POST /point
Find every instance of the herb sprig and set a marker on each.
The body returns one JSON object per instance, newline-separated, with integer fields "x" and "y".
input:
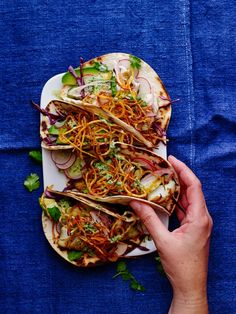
{"x": 159, "y": 266}
{"x": 127, "y": 276}
{"x": 36, "y": 155}
{"x": 135, "y": 62}
{"x": 32, "y": 182}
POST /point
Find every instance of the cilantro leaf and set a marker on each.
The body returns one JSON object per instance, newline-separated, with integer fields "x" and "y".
{"x": 32, "y": 182}
{"x": 127, "y": 276}
{"x": 113, "y": 86}
{"x": 74, "y": 255}
{"x": 36, "y": 155}
{"x": 136, "y": 286}
{"x": 121, "y": 266}
{"x": 90, "y": 227}
{"x": 135, "y": 62}
{"x": 159, "y": 266}
{"x": 115, "y": 238}
{"x": 54, "y": 213}
{"x": 100, "y": 67}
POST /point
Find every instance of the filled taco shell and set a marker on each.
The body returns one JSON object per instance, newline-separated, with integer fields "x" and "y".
{"x": 127, "y": 173}
{"x": 86, "y": 233}
{"x": 140, "y": 102}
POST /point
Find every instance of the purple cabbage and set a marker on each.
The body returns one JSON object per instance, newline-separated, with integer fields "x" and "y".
{"x": 53, "y": 118}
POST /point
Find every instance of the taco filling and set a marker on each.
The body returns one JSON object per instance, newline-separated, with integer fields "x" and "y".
{"x": 125, "y": 171}
{"x": 127, "y": 89}
{"x": 65, "y": 126}
{"x": 88, "y": 233}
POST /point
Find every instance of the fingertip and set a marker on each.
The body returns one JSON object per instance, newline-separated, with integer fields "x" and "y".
{"x": 172, "y": 159}
{"x": 150, "y": 219}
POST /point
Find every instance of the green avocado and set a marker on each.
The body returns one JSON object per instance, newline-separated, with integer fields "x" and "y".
{"x": 68, "y": 78}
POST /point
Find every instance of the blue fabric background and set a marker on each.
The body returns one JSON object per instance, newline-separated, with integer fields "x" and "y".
{"x": 191, "y": 44}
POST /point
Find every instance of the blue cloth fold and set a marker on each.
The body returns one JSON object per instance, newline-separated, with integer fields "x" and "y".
{"x": 191, "y": 45}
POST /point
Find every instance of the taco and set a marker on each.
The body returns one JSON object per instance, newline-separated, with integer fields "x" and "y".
{"x": 125, "y": 173}
{"x": 127, "y": 90}
{"x": 86, "y": 233}
{"x": 66, "y": 126}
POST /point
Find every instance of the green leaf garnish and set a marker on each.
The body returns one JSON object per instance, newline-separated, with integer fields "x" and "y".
{"x": 53, "y": 130}
{"x": 36, "y": 155}
{"x": 136, "y": 286}
{"x": 100, "y": 67}
{"x": 74, "y": 255}
{"x": 121, "y": 266}
{"x": 54, "y": 213}
{"x": 32, "y": 182}
{"x": 135, "y": 62}
{"x": 159, "y": 266}
{"x": 101, "y": 166}
{"x": 113, "y": 86}
{"x": 116, "y": 238}
{"x": 90, "y": 227}
{"x": 126, "y": 275}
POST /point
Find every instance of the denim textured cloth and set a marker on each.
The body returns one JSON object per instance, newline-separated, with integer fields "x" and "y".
{"x": 191, "y": 44}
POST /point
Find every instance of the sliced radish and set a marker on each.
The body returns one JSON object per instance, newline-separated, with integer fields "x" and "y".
{"x": 61, "y": 157}
{"x": 124, "y": 64}
{"x": 144, "y": 87}
{"x": 75, "y": 171}
{"x": 121, "y": 249}
{"x": 67, "y": 164}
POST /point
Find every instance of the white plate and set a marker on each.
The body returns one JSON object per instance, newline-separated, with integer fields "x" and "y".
{"x": 51, "y": 175}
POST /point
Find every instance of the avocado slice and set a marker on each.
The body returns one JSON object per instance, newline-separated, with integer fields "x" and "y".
{"x": 68, "y": 78}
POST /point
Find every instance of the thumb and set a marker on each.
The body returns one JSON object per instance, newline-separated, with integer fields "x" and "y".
{"x": 150, "y": 219}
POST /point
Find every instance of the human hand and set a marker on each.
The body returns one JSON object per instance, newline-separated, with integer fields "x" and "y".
{"x": 184, "y": 251}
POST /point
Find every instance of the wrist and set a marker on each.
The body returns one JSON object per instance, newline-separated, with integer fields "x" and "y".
{"x": 194, "y": 295}
{"x": 193, "y": 302}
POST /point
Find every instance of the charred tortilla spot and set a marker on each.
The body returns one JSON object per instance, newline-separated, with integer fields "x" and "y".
{"x": 44, "y": 126}
{"x": 162, "y": 164}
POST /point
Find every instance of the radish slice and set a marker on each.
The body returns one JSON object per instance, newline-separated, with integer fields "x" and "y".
{"x": 67, "y": 164}
{"x": 61, "y": 157}
{"x": 121, "y": 249}
{"x": 144, "y": 87}
{"x": 124, "y": 63}
{"x": 74, "y": 171}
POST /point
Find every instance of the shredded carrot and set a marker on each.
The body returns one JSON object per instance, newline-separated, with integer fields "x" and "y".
{"x": 91, "y": 136}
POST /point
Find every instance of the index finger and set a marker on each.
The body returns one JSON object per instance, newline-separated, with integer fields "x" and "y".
{"x": 185, "y": 174}
{"x": 194, "y": 194}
